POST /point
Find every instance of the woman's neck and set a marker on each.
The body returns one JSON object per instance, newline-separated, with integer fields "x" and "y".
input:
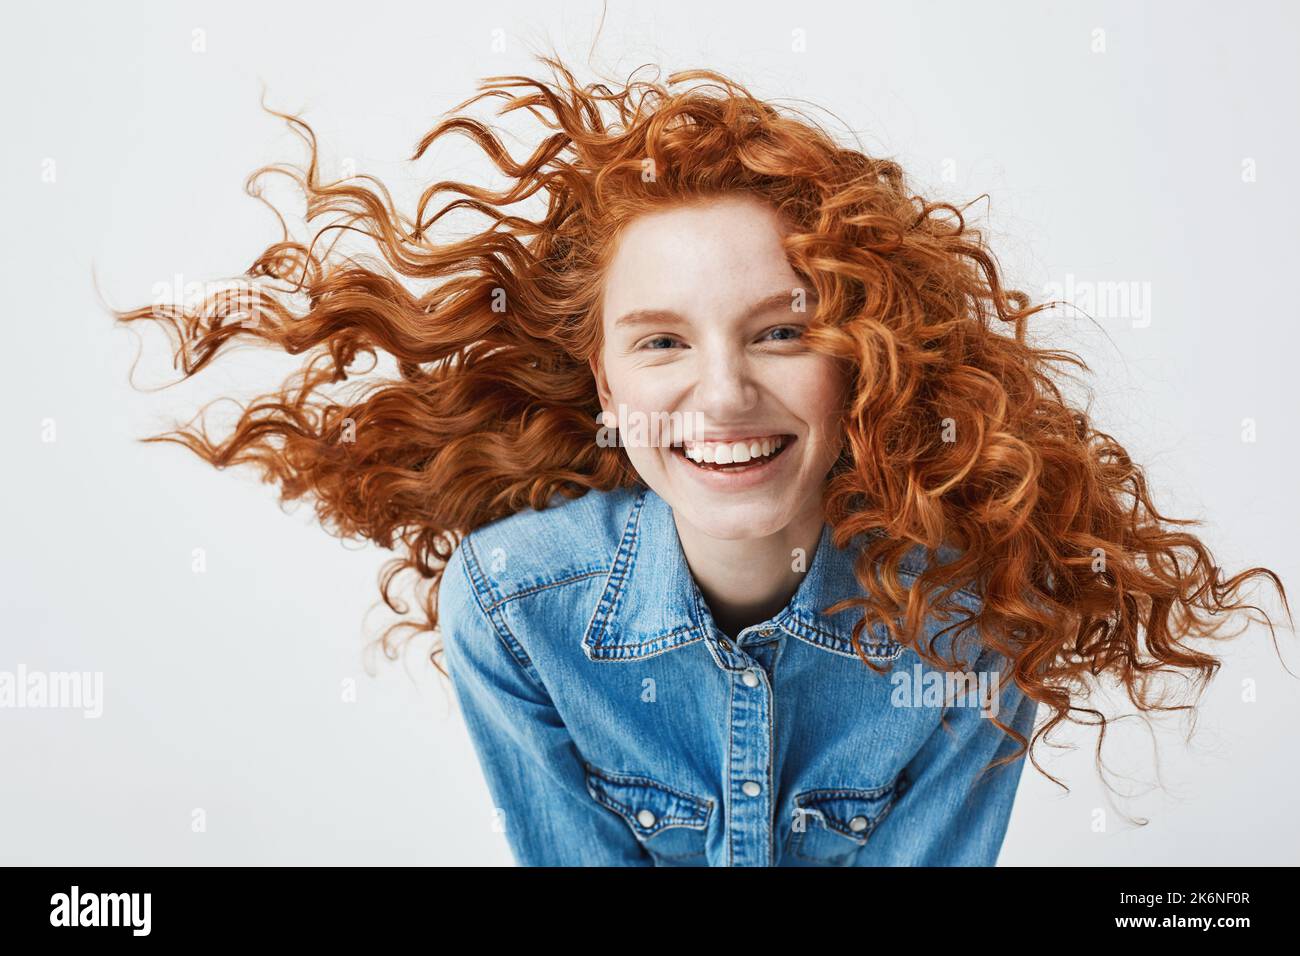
{"x": 748, "y": 580}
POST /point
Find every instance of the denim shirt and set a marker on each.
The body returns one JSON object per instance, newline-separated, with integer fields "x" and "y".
{"x": 617, "y": 725}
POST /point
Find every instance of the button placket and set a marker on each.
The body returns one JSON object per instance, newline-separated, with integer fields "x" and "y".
{"x": 751, "y": 750}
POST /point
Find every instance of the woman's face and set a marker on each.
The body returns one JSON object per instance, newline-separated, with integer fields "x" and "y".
{"x": 702, "y": 319}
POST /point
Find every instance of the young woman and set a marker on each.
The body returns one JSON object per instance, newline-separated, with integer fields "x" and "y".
{"x": 754, "y": 529}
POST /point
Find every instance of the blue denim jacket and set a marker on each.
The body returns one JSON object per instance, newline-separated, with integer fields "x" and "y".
{"x": 617, "y": 725}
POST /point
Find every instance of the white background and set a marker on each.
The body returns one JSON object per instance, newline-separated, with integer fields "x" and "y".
{"x": 223, "y": 689}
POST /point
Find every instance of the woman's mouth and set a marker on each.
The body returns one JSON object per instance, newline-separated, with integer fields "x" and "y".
{"x": 734, "y": 457}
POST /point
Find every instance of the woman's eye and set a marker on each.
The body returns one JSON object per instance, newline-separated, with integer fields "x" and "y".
{"x": 792, "y": 332}
{"x": 650, "y": 343}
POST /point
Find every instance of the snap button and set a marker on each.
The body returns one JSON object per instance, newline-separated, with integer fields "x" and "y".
{"x": 645, "y": 818}
{"x": 751, "y": 788}
{"x": 724, "y": 644}
{"x": 858, "y": 824}
{"x": 750, "y": 678}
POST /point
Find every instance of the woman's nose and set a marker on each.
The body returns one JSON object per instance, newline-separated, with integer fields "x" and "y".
{"x": 725, "y": 386}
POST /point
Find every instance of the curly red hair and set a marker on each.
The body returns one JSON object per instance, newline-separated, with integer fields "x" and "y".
{"x": 956, "y": 432}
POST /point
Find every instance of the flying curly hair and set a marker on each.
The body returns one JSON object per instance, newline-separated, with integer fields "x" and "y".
{"x": 955, "y": 430}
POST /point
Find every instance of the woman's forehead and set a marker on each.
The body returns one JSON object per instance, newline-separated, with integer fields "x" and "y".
{"x": 698, "y": 254}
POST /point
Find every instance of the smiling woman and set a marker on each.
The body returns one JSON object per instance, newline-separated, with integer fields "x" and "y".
{"x": 703, "y": 340}
{"x": 678, "y": 650}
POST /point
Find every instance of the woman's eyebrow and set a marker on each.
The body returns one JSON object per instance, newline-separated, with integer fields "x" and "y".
{"x": 649, "y": 316}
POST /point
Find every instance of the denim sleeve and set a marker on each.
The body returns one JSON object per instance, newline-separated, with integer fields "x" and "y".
{"x": 951, "y": 814}
{"x": 533, "y": 769}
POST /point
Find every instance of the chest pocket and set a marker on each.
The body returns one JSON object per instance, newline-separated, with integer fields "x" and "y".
{"x": 830, "y": 827}
{"x": 671, "y": 824}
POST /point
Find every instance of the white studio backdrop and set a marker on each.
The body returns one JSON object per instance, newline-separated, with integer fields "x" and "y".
{"x": 1145, "y": 151}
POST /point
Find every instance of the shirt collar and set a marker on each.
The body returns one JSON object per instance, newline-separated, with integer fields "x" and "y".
{"x": 651, "y": 604}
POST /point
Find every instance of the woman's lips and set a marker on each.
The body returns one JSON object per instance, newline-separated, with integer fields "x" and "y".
{"x": 736, "y": 476}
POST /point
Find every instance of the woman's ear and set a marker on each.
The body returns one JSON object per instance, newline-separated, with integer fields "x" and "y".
{"x": 598, "y": 373}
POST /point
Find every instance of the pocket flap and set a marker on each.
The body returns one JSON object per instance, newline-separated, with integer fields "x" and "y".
{"x": 852, "y": 813}
{"x": 647, "y": 805}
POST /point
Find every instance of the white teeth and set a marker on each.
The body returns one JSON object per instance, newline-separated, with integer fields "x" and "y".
{"x": 726, "y": 453}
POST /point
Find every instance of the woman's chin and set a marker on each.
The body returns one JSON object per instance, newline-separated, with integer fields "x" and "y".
{"x": 733, "y": 507}
{"x": 731, "y": 521}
